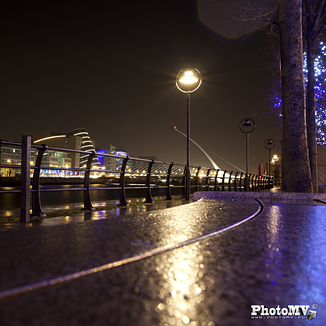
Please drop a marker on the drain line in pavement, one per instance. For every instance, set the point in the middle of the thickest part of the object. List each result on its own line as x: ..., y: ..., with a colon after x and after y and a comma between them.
x: 39, y: 285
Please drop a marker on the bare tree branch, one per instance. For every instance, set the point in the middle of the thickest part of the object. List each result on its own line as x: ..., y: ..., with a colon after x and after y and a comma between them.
x: 248, y: 13
x: 317, y: 19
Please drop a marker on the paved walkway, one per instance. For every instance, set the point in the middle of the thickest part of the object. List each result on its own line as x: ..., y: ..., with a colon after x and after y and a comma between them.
x: 147, y: 268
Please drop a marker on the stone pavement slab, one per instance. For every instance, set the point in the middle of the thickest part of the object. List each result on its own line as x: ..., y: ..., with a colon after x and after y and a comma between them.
x: 274, y: 260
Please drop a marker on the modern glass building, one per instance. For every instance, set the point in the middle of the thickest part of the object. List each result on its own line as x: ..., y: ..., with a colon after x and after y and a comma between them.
x: 86, y: 145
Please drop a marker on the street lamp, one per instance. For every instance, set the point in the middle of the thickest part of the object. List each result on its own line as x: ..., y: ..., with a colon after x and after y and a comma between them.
x: 247, y: 126
x: 269, y: 144
x: 188, y: 80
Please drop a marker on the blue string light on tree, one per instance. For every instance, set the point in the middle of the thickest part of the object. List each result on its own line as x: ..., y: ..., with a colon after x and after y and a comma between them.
x: 320, y: 92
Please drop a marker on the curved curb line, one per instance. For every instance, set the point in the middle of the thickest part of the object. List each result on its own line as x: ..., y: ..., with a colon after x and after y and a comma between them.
x: 61, y: 279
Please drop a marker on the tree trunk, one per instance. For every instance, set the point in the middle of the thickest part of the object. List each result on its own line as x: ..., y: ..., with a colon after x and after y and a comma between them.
x: 296, y: 160
x: 311, y: 100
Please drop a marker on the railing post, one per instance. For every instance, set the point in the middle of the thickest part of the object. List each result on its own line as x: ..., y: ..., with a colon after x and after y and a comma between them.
x: 246, y: 182
x: 230, y: 180
x: 149, y: 198
x: 215, y: 181
x: 235, y: 181
x: 223, y: 180
x: 197, y: 178
x: 240, y: 185
x: 184, y: 181
x: 259, y: 178
x: 25, y: 180
x: 36, y: 199
x: 123, y: 200
x: 269, y: 182
x: 168, y: 183
x: 87, y: 194
x: 207, y: 176
x: 249, y: 176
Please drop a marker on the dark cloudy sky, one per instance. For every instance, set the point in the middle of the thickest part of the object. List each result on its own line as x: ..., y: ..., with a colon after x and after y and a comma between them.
x: 110, y: 66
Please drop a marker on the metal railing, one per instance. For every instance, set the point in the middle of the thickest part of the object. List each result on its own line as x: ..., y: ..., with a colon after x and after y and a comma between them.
x: 168, y: 175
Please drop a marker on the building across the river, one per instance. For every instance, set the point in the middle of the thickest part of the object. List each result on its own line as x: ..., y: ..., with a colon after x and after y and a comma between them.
x: 76, y: 139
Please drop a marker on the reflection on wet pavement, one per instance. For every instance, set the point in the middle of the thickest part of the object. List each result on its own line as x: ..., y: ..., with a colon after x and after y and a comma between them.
x: 74, y: 212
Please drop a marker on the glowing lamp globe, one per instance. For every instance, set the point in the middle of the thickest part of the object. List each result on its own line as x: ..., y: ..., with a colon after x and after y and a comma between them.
x: 188, y: 80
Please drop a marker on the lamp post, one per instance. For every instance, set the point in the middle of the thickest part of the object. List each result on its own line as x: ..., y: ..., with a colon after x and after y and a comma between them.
x: 269, y: 144
x: 247, y: 126
x: 277, y: 171
x: 188, y: 80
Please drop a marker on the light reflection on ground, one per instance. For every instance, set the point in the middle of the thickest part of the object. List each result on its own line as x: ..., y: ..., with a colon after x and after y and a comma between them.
x: 278, y: 258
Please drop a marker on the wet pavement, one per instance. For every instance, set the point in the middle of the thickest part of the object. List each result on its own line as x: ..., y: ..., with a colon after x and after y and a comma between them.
x: 65, y: 215
x: 147, y: 268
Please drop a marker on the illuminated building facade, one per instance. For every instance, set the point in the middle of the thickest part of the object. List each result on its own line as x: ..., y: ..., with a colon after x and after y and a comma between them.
x: 76, y: 139
x: 112, y: 163
x: 11, y: 156
x: 108, y: 163
x: 120, y: 161
x: 86, y: 145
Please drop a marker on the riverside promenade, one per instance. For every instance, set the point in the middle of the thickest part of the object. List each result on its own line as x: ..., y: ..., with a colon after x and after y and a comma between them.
x: 224, y: 259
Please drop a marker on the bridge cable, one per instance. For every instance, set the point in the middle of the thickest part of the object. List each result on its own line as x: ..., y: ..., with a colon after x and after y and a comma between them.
x: 210, y: 159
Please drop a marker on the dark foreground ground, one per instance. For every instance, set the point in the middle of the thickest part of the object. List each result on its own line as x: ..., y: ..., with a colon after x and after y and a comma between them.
x: 143, y: 276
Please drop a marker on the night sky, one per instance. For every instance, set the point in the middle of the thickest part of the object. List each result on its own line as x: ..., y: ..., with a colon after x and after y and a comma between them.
x: 110, y: 66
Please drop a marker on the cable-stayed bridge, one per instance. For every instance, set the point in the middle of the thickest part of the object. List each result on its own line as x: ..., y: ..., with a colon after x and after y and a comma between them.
x: 207, y: 155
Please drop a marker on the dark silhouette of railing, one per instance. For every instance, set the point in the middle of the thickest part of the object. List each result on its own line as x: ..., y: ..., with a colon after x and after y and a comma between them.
x: 201, y: 178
